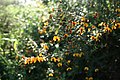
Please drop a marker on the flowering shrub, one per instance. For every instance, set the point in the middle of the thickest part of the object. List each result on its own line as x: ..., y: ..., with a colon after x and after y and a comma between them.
x: 67, y: 44
x: 74, y: 43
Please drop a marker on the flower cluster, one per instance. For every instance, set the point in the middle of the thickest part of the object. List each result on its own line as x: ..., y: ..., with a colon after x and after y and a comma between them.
x: 70, y: 45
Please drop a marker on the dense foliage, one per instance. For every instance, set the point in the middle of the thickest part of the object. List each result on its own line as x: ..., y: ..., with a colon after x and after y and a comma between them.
x: 60, y: 40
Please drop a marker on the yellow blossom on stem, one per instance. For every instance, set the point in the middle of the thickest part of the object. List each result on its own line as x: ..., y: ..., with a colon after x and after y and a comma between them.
x: 107, y: 29
x: 81, y: 30
x: 51, y: 75
x: 65, y: 35
x: 93, y: 27
x: 69, y: 69
x: 40, y: 55
x: 83, y: 19
x: 73, y: 23
x: 33, y: 60
x: 46, y: 23
x: 93, y: 38
x: 85, y: 24
x: 68, y: 61
x: 96, y: 70
x: 90, y: 78
x: 40, y: 59
x: 45, y: 47
x: 56, y: 38
x: 86, y: 68
x: 27, y: 61
x: 59, y: 64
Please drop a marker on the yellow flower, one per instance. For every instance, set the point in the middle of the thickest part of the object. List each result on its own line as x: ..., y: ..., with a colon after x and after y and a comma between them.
x: 45, y: 47
x: 56, y: 38
x: 86, y: 68
x: 65, y: 35
x: 55, y: 59
x: 107, y: 29
x: 52, y: 58
x: 81, y: 30
x: 27, y: 60
x: 85, y: 25
x: 83, y: 19
x: 68, y: 61
x: 76, y: 55
x: 89, y: 29
x: 86, y: 78
x: 74, y: 23
x: 58, y: 59
x: 46, y: 23
x: 42, y: 31
x: 101, y: 24
x: 40, y: 59
x: 93, y: 27
x: 114, y: 27
x: 40, y: 55
x: 59, y: 64
x: 66, y: 53
x: 51, y: 74
x: 33, y: 60
x: 90, y: 78
x: 117, y: 25
x: 61, y: 58
x: 96, y: 70
x: 69, y: 68
x: 93, y: 38
x: 81, y: 54
x: 117, y: 10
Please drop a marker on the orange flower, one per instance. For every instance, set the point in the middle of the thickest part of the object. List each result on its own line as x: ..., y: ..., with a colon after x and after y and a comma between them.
x: 117, y: 25
x: 65, y: 35
x: 40, y: 59
x: 27, y: 61
x: 93, y: 27
x: 74, y: 23
x: 56, y: 38
x: 85, y: 25
x: 114, y: 27
x: 32, y: 60
x: 92, y: 38
x: 45, y: 47
x: 107, y: 29
x: 81, y: 30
